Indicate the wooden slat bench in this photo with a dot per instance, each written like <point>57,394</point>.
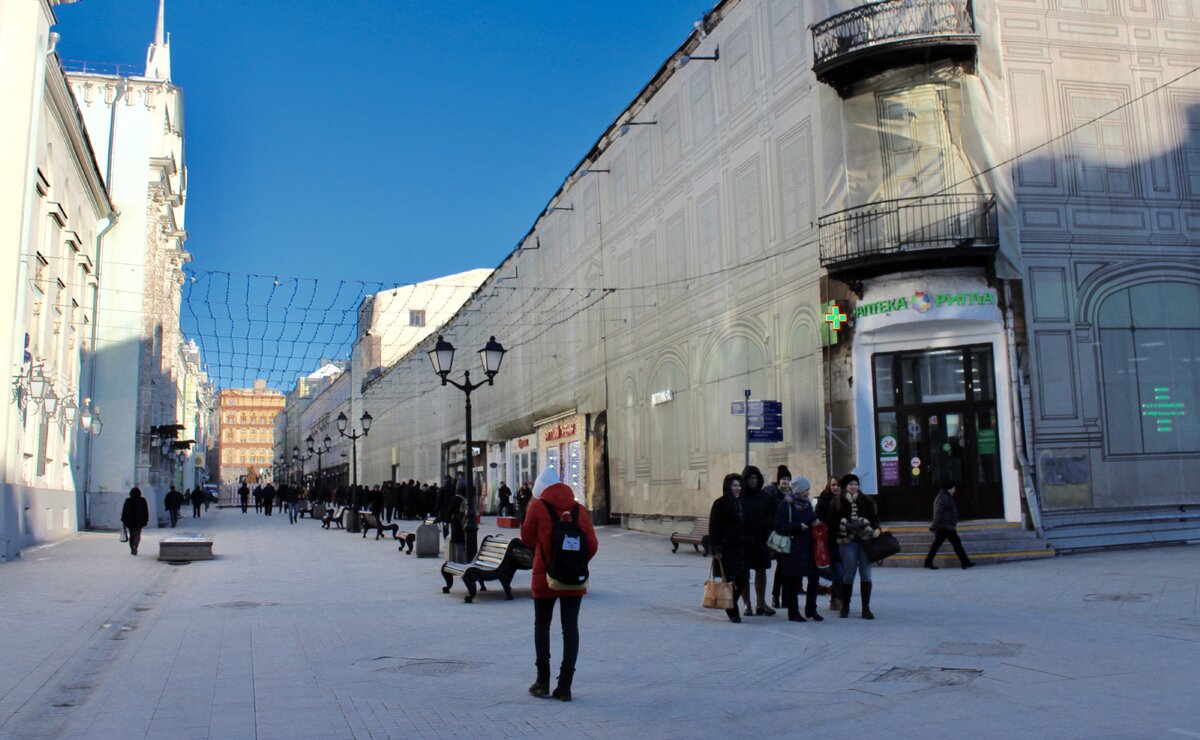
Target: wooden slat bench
<point>370,521</point>
<point>498,559</point>
<point>697,538</point>
<point>332,517</point>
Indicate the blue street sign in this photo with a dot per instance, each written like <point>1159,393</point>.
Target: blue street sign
<point>764,435</point>
<point>755,407</point>
<point>772,407</point>
<point>765,421</point>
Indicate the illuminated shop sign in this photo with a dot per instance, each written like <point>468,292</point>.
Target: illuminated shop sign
<point>560,431</point>
<point>1163,410</point>
<point>662,397</point>
<point>923,301</point>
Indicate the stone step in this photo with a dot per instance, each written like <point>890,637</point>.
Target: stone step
<point>947,559</point>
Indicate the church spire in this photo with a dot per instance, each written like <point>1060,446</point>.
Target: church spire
<point>158,57</point>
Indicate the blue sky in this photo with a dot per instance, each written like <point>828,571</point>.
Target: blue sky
<point>379,139</point>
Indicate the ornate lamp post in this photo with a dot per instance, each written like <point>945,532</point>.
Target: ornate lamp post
<point>442,357</point>
<point>319,451</point>
<point>342,424</point>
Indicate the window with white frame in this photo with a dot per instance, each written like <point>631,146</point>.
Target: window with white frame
<point>416,317</point>
<point>704,113</point>
<point>739,68</point>
<point>747,212</point>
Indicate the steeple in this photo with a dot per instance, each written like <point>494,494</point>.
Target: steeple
<point>158,57</point>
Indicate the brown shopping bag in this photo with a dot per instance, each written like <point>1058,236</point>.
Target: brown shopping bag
<point>718,594</point>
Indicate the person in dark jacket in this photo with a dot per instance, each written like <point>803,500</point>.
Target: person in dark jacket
<point>244,495</point>
<point>135,515</point>
<point>856,520</point>
<point>504,494</point>
<point>554,500</point>
<point>173,502</point>
<point>197,497</point>
<point>945,527</point>
<point>825,514</point>
<point>759,517</point>
<point>727,532</point>
<point>268,498</point>
<point>524,496</point>
<point>775,493</point>
<point>795,517</point>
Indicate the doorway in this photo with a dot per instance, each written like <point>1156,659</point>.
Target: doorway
<point>935,420</point>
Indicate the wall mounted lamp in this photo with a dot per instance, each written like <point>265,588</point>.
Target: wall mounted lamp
<point>625,126</point>
<point>560,208</point>
<point>584,173</point>
<point>683,60</point>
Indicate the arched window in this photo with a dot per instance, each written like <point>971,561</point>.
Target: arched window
<point>668,432</point>
<point>803,419</point>
<point>735,366</point>
<point>1150,357</point>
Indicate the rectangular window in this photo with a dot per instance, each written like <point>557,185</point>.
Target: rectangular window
<point>916,141</point>
<point>785,34</point>
<point>620,177</point>
<point>747,212</point>
<point>708,233</point>
<point>740,69</point>
<point>591,211</point>
<point>416,317</point>
<point>566,240</point>
<point>704,115</point>
<point>674,260</point>
<point>1102,143</point>
<point>649,250</point>
<point>795,184</point>
<point>645,161</point>
<point>41,271</point>
<point>672,136</point>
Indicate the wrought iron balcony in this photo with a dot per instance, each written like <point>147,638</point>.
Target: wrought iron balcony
<point>874,37</point>
<point>886,236</point>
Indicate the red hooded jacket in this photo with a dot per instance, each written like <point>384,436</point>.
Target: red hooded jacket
<point>535,533</point>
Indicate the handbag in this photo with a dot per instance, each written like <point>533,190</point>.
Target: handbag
<point>781,543</point>
<point>820,540</point>
<point>718,594</point>
<point>124,534</point>
<point>879,548</point>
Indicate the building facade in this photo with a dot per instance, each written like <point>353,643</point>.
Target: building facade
<point>948,239</point>
<point>247,428</point>
<point>55,213</point>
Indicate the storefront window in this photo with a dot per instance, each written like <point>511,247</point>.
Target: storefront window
<point>933,377</point>
<point>983,376</point>
<point>885,385</point>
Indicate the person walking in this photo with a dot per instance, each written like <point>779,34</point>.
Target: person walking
<point>945,526</point>
<point>504,494</point>
<point>291,498</point>
<point>794,518</point>
<point>760,515</point>
<point>857,521</point>
<point>173,502</point>
<point>244,496</point>
<point>135,515</point>
<point>267,497</point>
<point>727,539</point>
<point>524,496</point>
<point>197,501</point>
<point>825,513</point>
<point>556,503</point>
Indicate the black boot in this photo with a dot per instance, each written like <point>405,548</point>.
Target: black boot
<point>541,687</point>
<point>734,616</point>
<point>866,600</point>
<point>562,692</point>
<point>847,595</point>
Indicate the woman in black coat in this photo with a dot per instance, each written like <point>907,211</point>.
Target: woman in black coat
<point>135,514</point>
<point>727,523</point>
<point>795,518</point>
<point>760,514</point>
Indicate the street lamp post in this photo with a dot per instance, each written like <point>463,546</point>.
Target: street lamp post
<point>313,449</point>
<point>442,357</point>
<point>342,423</point>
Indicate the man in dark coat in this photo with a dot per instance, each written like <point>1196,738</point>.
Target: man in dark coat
<point>198,498</point>
<point>244,496</point>
<point>135,515</point>
<point>945,527</point>
<point>760,516</point>
<point>268,497</point>
<point>173,502</point>
<point>524,496</point>
<point>504,494</point>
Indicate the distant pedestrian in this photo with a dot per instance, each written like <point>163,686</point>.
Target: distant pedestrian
<point>135,514</point>
<point>555,502</point>
<point>945,527</point>
<point>173,502</point>
<point>268,498</point>
<point>825,513</point>
<point>244,496</point>
<point>727,539</point>
<point>504,494</point>
<point>258,499</point>
<point>775,493</point>
<point>198,499</point>
<point>857,521</point>
<point>524,496</point>
<point>290,495</point>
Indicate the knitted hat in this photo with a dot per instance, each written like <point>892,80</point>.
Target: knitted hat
<point>548,478</point>
<point>782,472</point>
<point>849,478</point>
<point>801,484</point>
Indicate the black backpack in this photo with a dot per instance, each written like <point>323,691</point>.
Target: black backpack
<point>567,560</point>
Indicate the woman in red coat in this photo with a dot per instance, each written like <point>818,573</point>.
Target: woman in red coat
<point>552,498</point>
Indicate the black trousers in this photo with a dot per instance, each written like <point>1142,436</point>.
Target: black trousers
<point>135,539</point>
<point>568,616</point>
<point>196,511</point>
<point>941,536</point>
<point>792,587</point>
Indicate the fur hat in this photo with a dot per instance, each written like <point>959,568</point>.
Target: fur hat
<point>849,478</point>
<point>782,472</point>
<point>548,478</point>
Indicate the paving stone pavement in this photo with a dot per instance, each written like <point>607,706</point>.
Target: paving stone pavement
<point>298,632</point>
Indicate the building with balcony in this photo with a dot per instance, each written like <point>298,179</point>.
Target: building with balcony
<point>954,239</point>
<point>247,428</point>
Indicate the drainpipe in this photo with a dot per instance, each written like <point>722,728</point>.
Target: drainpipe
<point>1019,414</point>
<point>109,221</point>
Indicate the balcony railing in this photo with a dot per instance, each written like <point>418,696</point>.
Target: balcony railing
<point>890,26</point>
<point>909,229</point>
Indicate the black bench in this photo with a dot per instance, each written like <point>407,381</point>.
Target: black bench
<point>369,521</point>
<point>498,559</point>
<point>697,538</point>
<point>311,509</point>
<point>406,538</point>
<point>333,518</point>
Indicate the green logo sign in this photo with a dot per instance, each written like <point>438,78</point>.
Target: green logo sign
<point>923,301</point>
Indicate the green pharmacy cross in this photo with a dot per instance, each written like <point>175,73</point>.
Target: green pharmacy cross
<point>835,317</point>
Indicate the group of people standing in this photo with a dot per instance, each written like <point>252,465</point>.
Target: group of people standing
<point>743,519</point>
